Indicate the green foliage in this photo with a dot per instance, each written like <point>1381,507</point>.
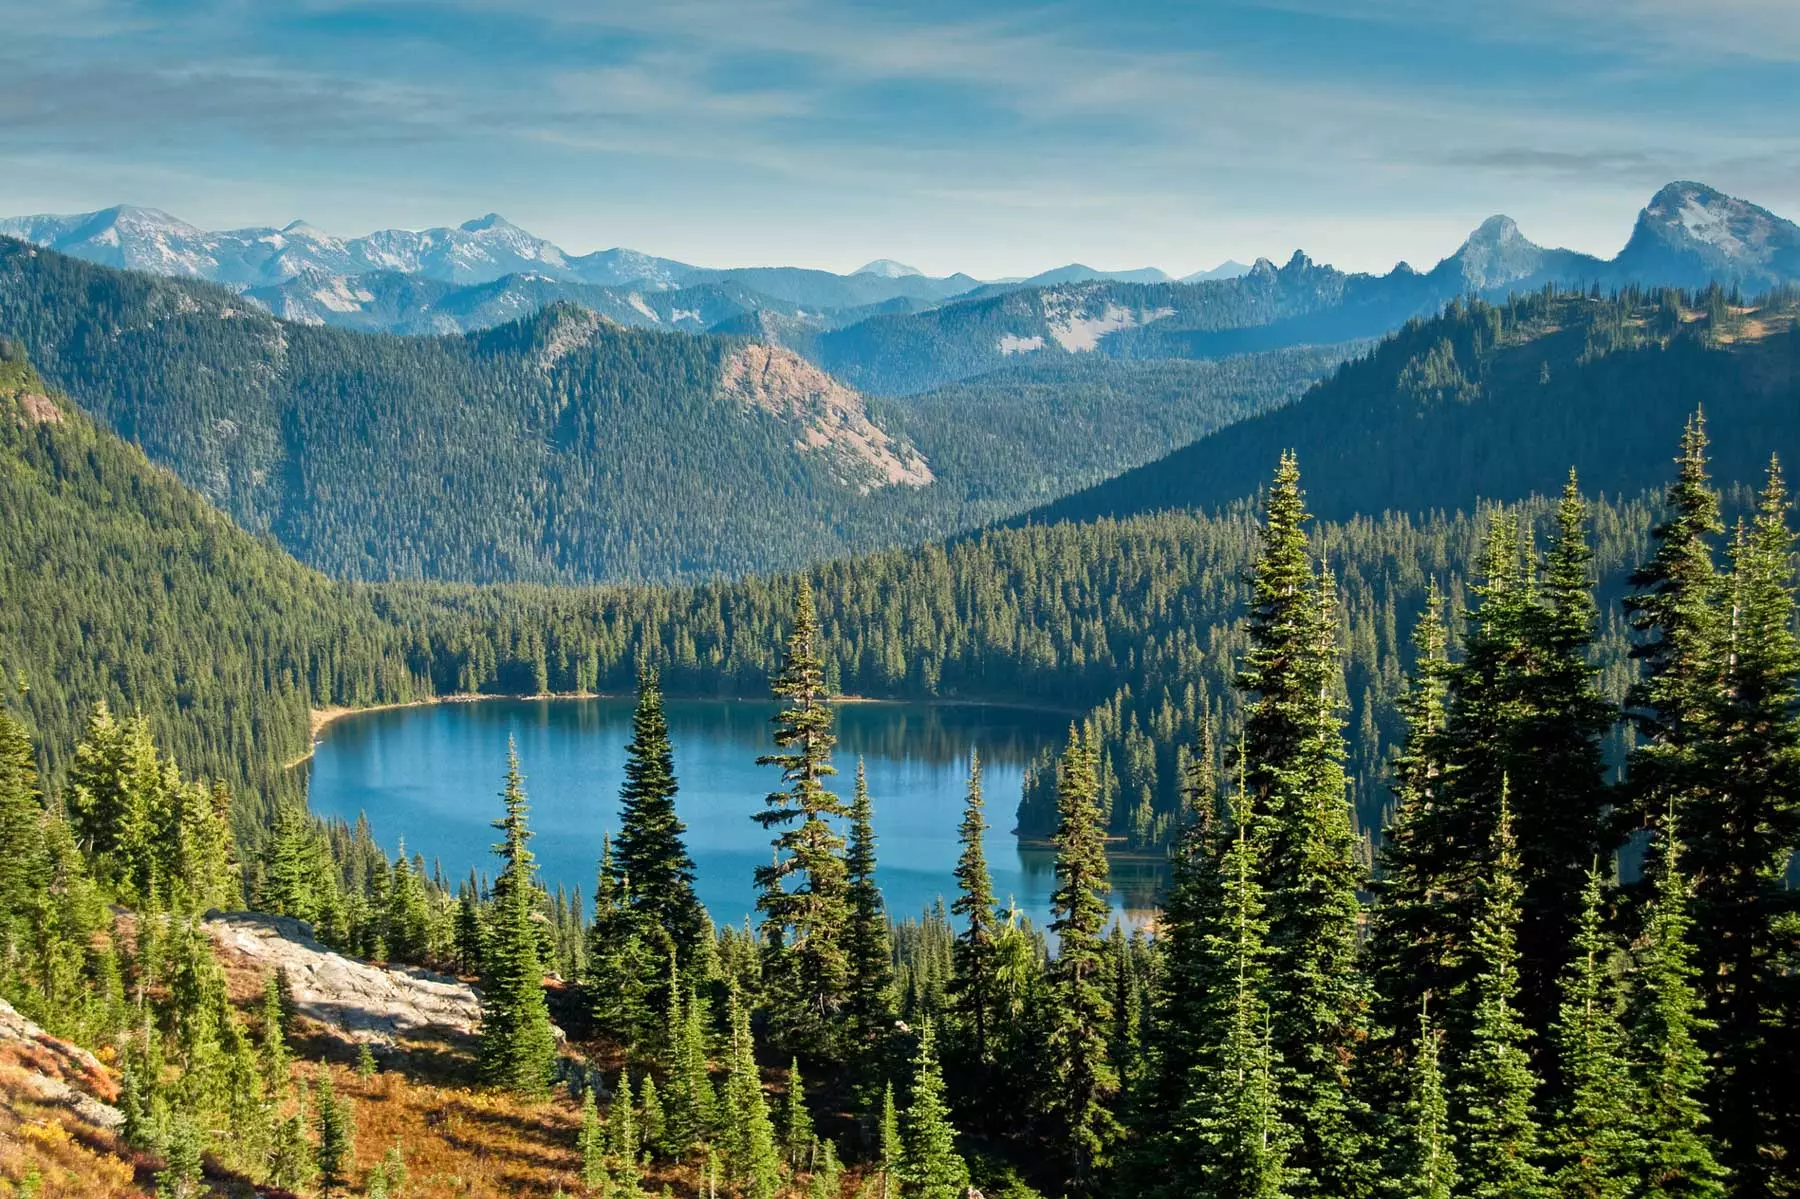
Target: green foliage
<point>516,1049</point>
<point>1499,1145</point>
<point>929,1166</point>
<point>1085,1084</point>
<point>1668,1063</point>
<point>1458,407</point>
<point>869,1004</point>
<point>651,856</point>
<point>804,894</point>
<point>336,1128</point>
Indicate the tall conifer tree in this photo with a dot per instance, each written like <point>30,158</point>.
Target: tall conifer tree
<point>930,1167</point>
<point>517,1050</point>
<point>651,850</point>
<point>971,986</point>
<point>1294,768</point>
<point>1085,1083</point>
<point>1407,952</point>
<point>1591,1137</point>
<point>1743,829</point>
<point>803,894</point>
<point>1233,1140</point>
<point>1669,1066</point>
<point>866,941</point>
<point>1499,1145</point>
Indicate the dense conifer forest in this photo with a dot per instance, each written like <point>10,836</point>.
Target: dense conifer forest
<point>1480,821</point>
<point>1493,400</point>
<point>1491,1006</point>
<point>563,448</point>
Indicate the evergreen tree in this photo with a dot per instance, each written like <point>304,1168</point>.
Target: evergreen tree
<point>1594,1125</point>
<point>1669,1067</point>
<point>689,1109</point>
<point>180,1177</point>
<point>889,1146</point>
<point>516,1050</point>
<point>870,1001</point>
<point>1294,768</point>
<point>1407,953</point>
<point>1742,828</point>
<point>1673,607</point>
<point>971,986</point>
<point>803,893</point>
<point>622,1147</point>
<point>1232,1139</point>
<point>750,1141</point>
<point>653,1127</point>
<point>618,980</point>
<point>1429,1163</point>
<point>930,1167</point>
<point>797,1137</point>
<point>1499,1146</point>
<point>1085,1082</point>
<point>336,1132</point>
<point>590,1143</point>
<point>652,851</point>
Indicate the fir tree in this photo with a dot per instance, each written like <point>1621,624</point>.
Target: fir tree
<point>1429,1169</point>
<point>971,986</point>
<point>1294,768</point>
<point>755,1160</point>
<point>1407,952</point>
<point>1594,1125</point>
<point>1232,1140</point>
<point>930,1167</point>
<point>1674,610</point>
<point>889,1146</point>
<point>797,1137</point>
<point>870,1001</point>
<point>590,1143</point>
<point>652,851</point>
<point>653,1127</point>
<point>622,1147</point>
<point>1741,830</point>
<point>516,1050</point>
<point>1675,1158</point>
<point>803,893</point>
<point>1085,1081</point>
<point>618,980</point>
<point>336,1150</point>
<point>180,1177</point>
<point>1499,1146</point>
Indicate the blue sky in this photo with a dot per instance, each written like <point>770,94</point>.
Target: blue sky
<point>996,138</point>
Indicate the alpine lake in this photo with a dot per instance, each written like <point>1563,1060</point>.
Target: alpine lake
<point>433,773</point>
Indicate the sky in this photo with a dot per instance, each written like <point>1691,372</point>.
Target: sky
<point>997,138</point>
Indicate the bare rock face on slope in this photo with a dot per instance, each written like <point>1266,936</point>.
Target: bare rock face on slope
<point>365,1003</point>
<point>830,418</point>
<point>56,1071</point>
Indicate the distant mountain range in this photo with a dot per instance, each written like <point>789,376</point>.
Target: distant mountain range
<point>887,328</point>
<point>1688,235</point>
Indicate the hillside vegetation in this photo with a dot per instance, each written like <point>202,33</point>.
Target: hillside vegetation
<point>1491,400</point>
<point>565,448</point>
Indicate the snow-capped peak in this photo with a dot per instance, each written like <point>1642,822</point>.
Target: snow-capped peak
<point>887,268</point>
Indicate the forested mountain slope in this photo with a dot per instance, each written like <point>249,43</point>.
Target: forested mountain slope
<point>558,447</point>
<point>122,585</point>
<point>1498,400</point>
<point>565,448</point>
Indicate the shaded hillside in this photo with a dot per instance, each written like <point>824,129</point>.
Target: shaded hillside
<point>123,585</point>
<point>1500,400</point>
<point>1036,430</point>
<point>561,447</point>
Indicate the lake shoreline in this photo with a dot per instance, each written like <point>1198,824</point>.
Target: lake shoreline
<point>320,719</point>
